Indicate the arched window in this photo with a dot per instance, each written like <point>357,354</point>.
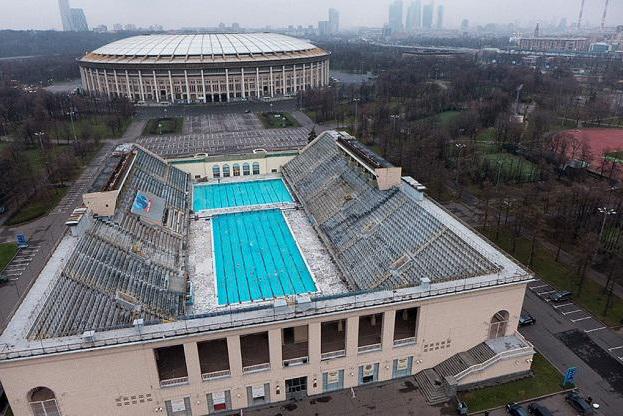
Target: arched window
<point>246,169</point>
<point>225,171</point>
<point>216,171</point>
<point>43,402</point>
<point>236,169</point>
<point>256,168</point>
<point>499,323</point>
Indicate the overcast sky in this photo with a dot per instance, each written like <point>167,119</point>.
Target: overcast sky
<point>43,14</point>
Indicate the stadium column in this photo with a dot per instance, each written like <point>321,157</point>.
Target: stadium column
<point>257,81</point>
<point>272,83</point>
<point>114,72</point>
<point>106,82</point>
<point>283,80</point>
<point>187,87</point>
<point>311,75</point>
<point>171,85</point>
<point>242,83</point>
<point>99,85</point>
<point>294,78</point>
<point>140,85</point>
<point>212,89</point>
<point>203,87</point>
<point>93,86</point>
<point>156,89</point>
<point>227,83</point>
<point>304,80</point>
<point>127,82</point>
<point>85,80</point>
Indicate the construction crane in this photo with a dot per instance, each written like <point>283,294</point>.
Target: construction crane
<point>603,18</point>
<point>581,14</point>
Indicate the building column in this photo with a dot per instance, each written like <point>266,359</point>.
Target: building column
<point>294,77</point>
<point>276,363</point>
<point>106,82</point>
<point>85,80</point>
<point>203,87</point>
<point>127,81</point>
<point>187,87</point>
<point>283,80</point>
<point>387,340</point>
<point>351,374</point>
<point>314,342</point>
<point>171,85</point>
<point>227,83</point>
<point>272,83</point>
<point>140,85</point>
<point>220,89</point>
<point>191,354</point>
<point>304,80</point>
<point>257,81</point>
<point>211,89</point>
<point>156,90</point>
<point>244,95</point>
<point>116,83</point>
<point>239,394</point>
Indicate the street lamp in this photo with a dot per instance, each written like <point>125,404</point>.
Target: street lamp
<point>606,212</point>
<point>356,101</point>
<point>460,147</point>
<point>73,128</point>
<point>39,135</point>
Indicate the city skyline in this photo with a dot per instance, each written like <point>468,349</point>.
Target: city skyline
<point>281,13</point>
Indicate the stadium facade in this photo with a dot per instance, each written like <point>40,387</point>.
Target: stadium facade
<point>335,271</point>
<point>204,67</point>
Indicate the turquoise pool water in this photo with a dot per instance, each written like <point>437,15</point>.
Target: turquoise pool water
<point>256,258</point>
<point>236,194</point>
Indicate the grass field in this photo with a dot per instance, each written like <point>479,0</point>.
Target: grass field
<point>278,120</point>
<point>546,380</point>
<point>546,267</point>
<point>37,206</point>
<point>92,127</point>
<point>160,126</point>
<point>7,251</point>
<point>447,117</point>
<point>513,167</point>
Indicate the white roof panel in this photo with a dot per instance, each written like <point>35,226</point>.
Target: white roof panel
<point>206,44</point>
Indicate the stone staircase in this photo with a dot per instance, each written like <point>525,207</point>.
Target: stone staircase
<point>433,382</point>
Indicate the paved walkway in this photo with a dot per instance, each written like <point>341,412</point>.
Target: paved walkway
<point>46,232</point>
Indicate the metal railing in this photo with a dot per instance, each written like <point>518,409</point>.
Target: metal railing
<point>369,348</point>
<point>256,368</point>
<point>404,341</point>
<point>332,355</point>
<point>171,382</point>
<point>215,375</point>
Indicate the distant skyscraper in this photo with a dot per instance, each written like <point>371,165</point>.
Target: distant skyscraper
<point>395,17</point>
<point>334,21</point>
<point>72,19</point>
<point>464,24</point>
<point>440,12</point>
<point>323,27</point>
<point>414,16</point>
<point>427,16</point>
<point>78,20</point>
<point>117,27</point>
<point>63,5</point>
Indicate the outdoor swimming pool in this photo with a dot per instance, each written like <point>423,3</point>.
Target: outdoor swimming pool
<point>256,257</point>
<point>236,194</point>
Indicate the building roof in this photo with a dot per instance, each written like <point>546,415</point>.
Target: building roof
<point>204,45</point>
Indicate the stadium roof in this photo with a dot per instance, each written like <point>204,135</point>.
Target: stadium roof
<point>220,44</point>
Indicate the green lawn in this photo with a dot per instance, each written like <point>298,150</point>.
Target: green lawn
<point>546,380</point>
<point>101,127</point>
<point>278,120</point>
<point>7,251</point>
<point>37,206</point>
<point>160,126</point>
<point>546,267</point>
<point>513,167</point>
<point>447,117</point>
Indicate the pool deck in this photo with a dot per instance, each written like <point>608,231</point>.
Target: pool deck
<point>201,258</point>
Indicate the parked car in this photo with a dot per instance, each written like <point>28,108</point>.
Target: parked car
<point>526,319</point>
<point>539,410</point>
<point>515,409</point>
<point>579,404</point>
<point>560,296</point>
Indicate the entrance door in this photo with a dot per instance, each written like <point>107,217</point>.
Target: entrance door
<point>296,388</point>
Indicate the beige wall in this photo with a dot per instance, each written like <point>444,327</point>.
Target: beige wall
<point>87,383</point>
<point>101,203</point>
<point>203,168</point>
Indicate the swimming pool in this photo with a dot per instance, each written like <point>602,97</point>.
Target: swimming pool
<point>257,258</point>
<point>236,194</point>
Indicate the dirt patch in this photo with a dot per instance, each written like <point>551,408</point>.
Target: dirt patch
<point>408,387</point>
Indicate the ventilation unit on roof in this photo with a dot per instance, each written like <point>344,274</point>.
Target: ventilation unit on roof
<point>88,336</point>
<point>128,302</point>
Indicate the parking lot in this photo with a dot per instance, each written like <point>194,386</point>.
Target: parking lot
<point>21,261</point>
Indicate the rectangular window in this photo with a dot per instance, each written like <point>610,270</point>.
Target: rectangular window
<point>178,407</point>
<point>402,367</point>
<point>219,401</point>
<point>368,373</point>
<point>258,394</point>
<point>333,380</point>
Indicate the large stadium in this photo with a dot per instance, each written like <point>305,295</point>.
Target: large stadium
<point>204,67</point>
<point>331,271</point>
